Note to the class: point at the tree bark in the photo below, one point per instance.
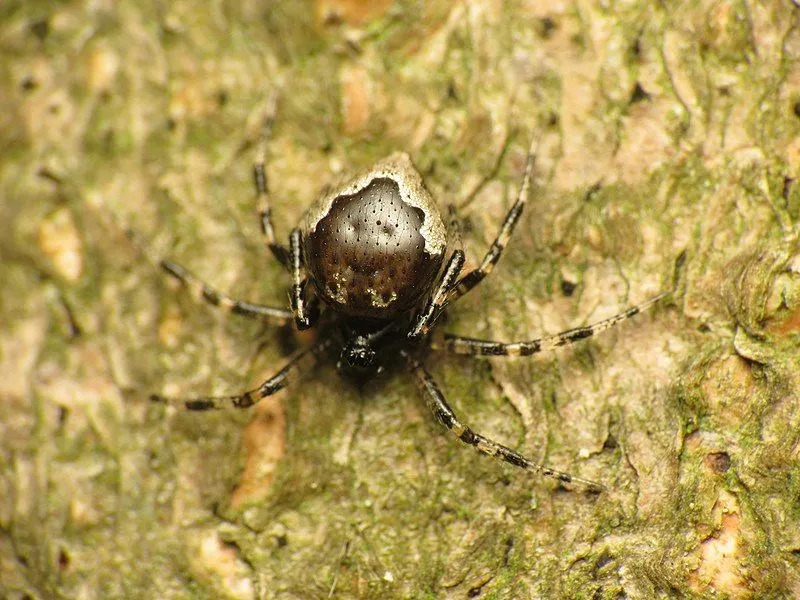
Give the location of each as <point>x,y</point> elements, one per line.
<point>661,128</point>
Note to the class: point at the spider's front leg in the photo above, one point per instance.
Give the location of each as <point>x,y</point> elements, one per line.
<point>475,276</point>
<point>445,415</point>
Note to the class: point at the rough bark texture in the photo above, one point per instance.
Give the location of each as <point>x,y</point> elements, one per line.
<point>664,127</point>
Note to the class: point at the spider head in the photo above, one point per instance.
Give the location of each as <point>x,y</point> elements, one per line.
<point>357,356</point>
<point>362,341</point>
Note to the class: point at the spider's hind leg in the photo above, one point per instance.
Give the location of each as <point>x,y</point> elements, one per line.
<point>199,289</point>
<point>262,188</point>
<point>475,276</point>
<point>433,309</point>
<point>305,306</point>
<point>423,321</point>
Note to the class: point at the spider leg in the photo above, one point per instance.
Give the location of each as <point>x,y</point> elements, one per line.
<point>202,291</point>
<point>445,415</point>
<point>305,314</point>
<point>474,277</point>
<point>426,318</point>
<point>301,361</point>
<point>476,347</point>
<point>262,189</point>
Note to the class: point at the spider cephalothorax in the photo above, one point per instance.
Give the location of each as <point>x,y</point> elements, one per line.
<point>371,259</point>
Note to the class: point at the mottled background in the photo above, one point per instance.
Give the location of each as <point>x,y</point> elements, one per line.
<point>664,126</point>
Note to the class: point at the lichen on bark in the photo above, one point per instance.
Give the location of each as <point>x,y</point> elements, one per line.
<point>662,127</point>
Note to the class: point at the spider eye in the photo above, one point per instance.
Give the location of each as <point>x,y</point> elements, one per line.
<point>358,356</point>
<point>362,357</point>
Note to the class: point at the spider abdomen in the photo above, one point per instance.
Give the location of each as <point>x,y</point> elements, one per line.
<point>374,246</point>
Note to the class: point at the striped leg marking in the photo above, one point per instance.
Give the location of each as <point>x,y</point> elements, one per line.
<point>474,277</point>
<point>202,291</point>
<point>445,415</point>
<point>434,306</point>
<point>475,347</point>
<point>303,317</point>
<point>262,189</point>
<point>197,288</point>
<point>300,362</point>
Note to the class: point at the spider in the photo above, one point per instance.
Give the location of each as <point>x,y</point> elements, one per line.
<point>367,266</point>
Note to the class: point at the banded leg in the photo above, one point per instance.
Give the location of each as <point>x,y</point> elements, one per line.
<point>262,189</point>
<point>434,306</point>
<point>474,277</point>
<point>304,314</point>
<point>300,362</point>
<point>475,347</point>
<point>202,291</point>
<point>445,415</point>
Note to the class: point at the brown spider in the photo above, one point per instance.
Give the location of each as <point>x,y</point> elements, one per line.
<point>368,264</point>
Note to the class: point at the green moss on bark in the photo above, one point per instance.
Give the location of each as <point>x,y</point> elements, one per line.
<point>662,129</point>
